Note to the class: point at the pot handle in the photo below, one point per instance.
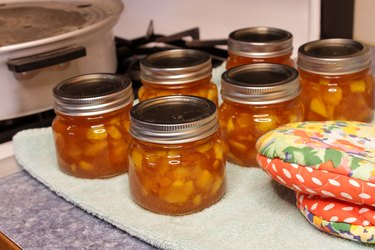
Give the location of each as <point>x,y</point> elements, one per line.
<point>24,64</point>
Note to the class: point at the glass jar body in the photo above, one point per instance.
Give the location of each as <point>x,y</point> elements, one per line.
<point>338,97</point>
<point>236,60</point>
<point>177,179</point>
<point>93,146</point>
<point>203,88</point>
<point>242,125</point>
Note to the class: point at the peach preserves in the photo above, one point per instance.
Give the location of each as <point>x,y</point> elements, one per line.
<point>177,72</point>
<point>336,80</point>
<point>91,129</point>
<point>176,156</point>
<point>256,99</point>
<point>259,45</point>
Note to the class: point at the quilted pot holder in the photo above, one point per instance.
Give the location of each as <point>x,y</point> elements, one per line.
<point>340,218</point>
<point>333,159</point>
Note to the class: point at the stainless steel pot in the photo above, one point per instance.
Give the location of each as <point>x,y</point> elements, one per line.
<point>45,42</point>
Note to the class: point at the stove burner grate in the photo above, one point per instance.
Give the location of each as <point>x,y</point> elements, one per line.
<point>130,52</point>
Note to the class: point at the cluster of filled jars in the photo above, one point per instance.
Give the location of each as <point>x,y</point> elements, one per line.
<point>175,142</point>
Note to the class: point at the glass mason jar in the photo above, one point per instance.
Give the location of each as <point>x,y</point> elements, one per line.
<point>91,127</point>
<point>177,72</point>
<point>336,80</point>
<point>256,99</point>
<point>259,45</point>
<point>177,163</point>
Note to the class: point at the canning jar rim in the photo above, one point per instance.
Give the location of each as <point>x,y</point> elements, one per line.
<point>119,95</point>
<point>258,94</point>
<point>172,75</point>
<point>264,49</point>
<point>198,127</point>
<point>334,65</point>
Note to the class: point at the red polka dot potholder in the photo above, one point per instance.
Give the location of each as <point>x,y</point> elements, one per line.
<point>319,182</point>
<point>344,219</point>
<point>332,158</point>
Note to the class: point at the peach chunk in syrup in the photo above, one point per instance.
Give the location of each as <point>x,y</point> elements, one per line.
<point>177,179</point>
<point>90,150</point>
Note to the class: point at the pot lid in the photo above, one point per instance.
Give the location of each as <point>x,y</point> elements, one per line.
<point>39,20</point>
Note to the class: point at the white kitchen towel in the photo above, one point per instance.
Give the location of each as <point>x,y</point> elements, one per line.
<point>255,213</point>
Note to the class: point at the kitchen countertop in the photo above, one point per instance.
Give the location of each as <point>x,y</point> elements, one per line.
<point>35,218</point>
<point>8,164</point>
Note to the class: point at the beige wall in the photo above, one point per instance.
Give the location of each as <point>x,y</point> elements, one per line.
<point>364,21</point>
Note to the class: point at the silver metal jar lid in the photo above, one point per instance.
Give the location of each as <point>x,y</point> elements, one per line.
<point>30,23</point>
<point>260,42</point>
<point>334,56</point>
<point>92,94</point>
<point>176,66</point>
<point>260,83</point>
<point>173,119</point>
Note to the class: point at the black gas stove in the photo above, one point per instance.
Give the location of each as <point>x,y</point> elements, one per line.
<point>129,53</point>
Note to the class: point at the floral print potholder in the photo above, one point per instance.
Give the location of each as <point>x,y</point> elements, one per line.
<point>332,159</point>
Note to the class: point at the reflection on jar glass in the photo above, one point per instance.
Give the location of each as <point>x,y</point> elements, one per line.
<point>176,156</point>
<point>336,80</point>
<point>91,128</point>
<point>256,99</point>
<point>177,72</point>
<point>260,45</point>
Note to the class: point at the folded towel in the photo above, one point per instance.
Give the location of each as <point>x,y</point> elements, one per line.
<point>255,212</point>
